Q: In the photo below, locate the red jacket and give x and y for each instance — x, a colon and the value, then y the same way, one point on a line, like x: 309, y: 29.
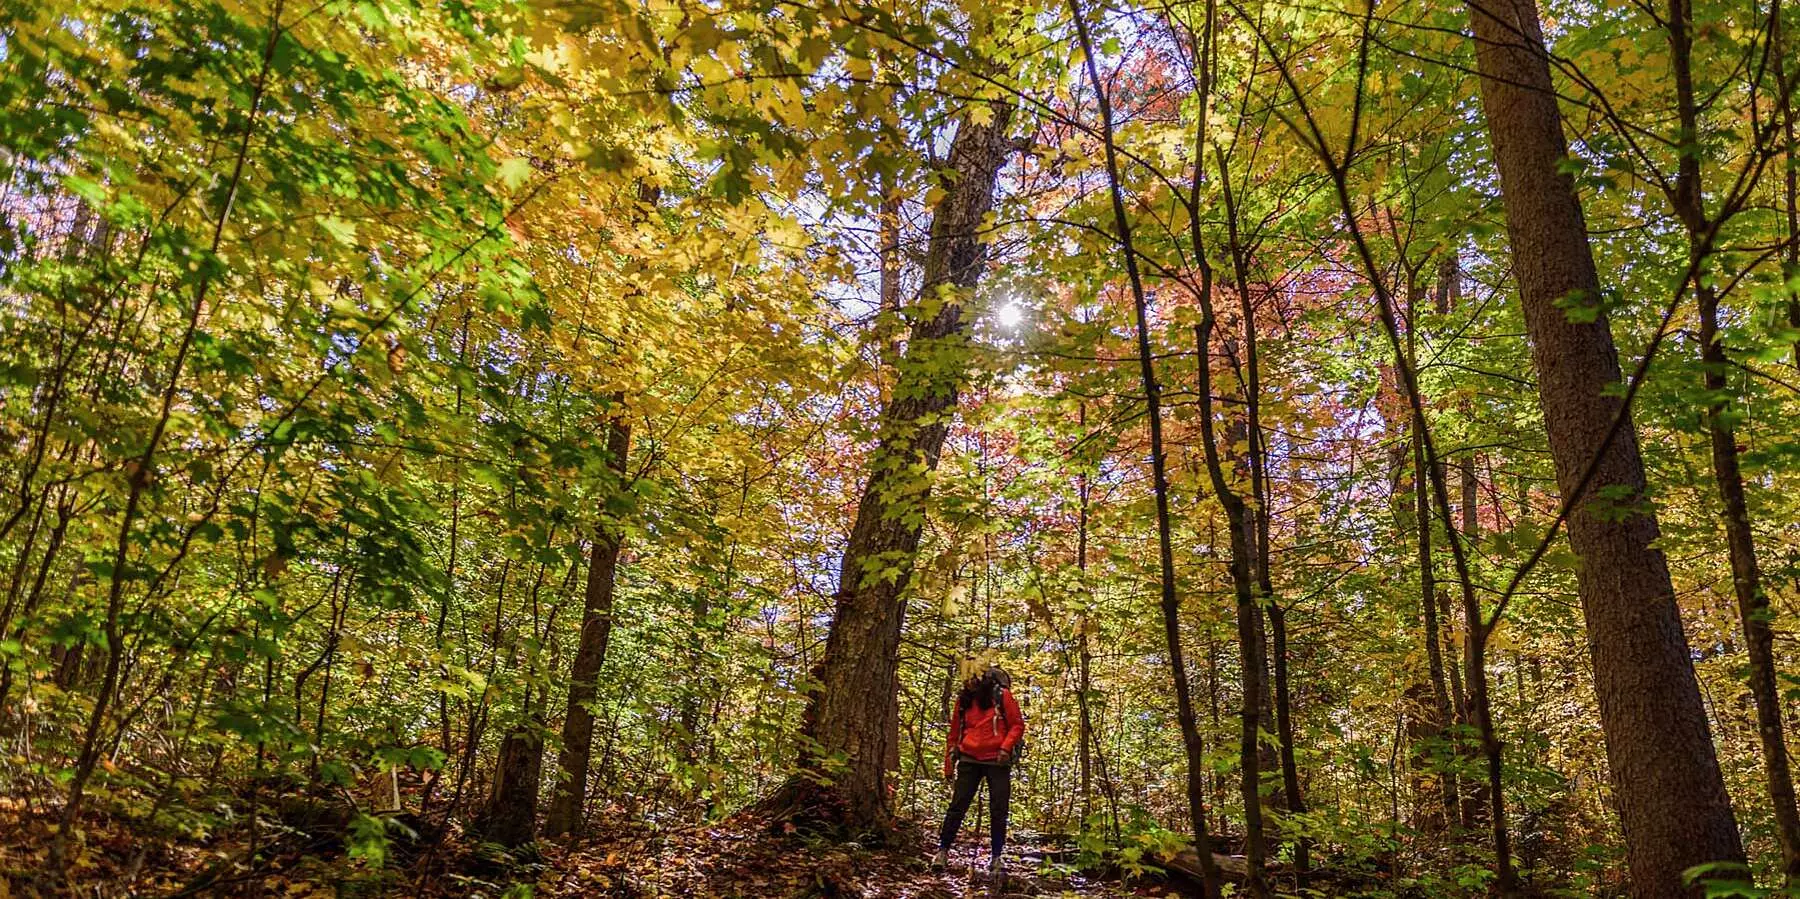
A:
x: 980, y: 735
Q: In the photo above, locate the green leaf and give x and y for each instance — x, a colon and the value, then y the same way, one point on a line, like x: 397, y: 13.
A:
x: 514, y: 172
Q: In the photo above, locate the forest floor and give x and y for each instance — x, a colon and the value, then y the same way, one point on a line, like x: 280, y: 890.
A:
x: 740, y: 857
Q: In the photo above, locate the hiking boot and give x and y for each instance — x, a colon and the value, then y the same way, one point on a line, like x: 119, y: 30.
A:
x: 941, y: 860
x: 997, y: 872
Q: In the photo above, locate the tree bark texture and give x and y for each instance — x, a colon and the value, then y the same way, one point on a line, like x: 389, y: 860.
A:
x: 841, y: 779
x: 510, y: 816
x: 1672, y: 802
x: 567, y: 806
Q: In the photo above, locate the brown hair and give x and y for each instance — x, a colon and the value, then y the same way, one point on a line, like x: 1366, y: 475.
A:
x: 979, y: 690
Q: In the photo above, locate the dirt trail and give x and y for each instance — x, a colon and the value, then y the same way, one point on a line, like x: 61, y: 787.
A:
x: 738, y: 859
x: 741, y: 858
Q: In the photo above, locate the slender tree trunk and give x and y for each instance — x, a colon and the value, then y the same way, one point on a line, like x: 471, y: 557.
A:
x: 859, y: 673
x: 1475, y: 647
x: 1428, y: 587
x: 1215, y: 689
x: 144, y: 464
x: 1171, y: 603
x: 1238, y: 519
x: 1481, y: 714
x: 1471, y: 792
x: 1754, y: 613
x: 454, y: 541
x: 1292, y: 800
x: 570, y: 800
x: 692, y: 735
x: 1672, y: 801
x: 1434, y: 657
x: 1084, y: 678
x: 475, y: 728
x: 1790, y: 191
x: 1284, y: 726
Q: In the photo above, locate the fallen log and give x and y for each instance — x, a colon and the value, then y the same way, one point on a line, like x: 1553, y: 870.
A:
x: 1059, y: 854
x: 1234, y: 868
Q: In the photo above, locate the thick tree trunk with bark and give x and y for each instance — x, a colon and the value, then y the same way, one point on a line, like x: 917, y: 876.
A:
x: 841, y: 781
x: 510, y: 816
x: 1672, y: 801
x: 567, y: 806
x: 886, y: 334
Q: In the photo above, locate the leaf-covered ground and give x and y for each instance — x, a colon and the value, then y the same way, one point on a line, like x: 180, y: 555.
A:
x: 741, y: 857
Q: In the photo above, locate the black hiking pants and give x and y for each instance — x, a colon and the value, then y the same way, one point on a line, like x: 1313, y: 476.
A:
x: 969, y: 776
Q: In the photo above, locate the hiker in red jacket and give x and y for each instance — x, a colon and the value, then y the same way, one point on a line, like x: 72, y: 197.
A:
x: 984, y: 735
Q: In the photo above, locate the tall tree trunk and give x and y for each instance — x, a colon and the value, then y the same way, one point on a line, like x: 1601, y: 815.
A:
x: 1194, y: 749
x: 1221, y: 787
x: 567, y: 806
x: 696, y: 687
x: 887, y: 339
x: 1292, y: 800
x: 1084, y: 674
x: 1746, y: 575
x: 1248, y: 564
x: 1284, y: 729
x: 454, y: 542
x: 1471, y: 791
x: 143, y: 469
x: 1672, y: 802
x: 1790, y: 191
x: 1428, y: 587
x: 857, y: 677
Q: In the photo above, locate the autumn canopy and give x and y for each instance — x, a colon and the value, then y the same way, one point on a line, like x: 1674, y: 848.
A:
x: 495, y: 447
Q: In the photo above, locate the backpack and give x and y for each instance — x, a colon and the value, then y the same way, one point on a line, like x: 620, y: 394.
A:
x: 1003, y: 683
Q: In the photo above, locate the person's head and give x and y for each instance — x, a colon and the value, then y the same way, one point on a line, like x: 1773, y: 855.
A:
x: 978, y: 690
